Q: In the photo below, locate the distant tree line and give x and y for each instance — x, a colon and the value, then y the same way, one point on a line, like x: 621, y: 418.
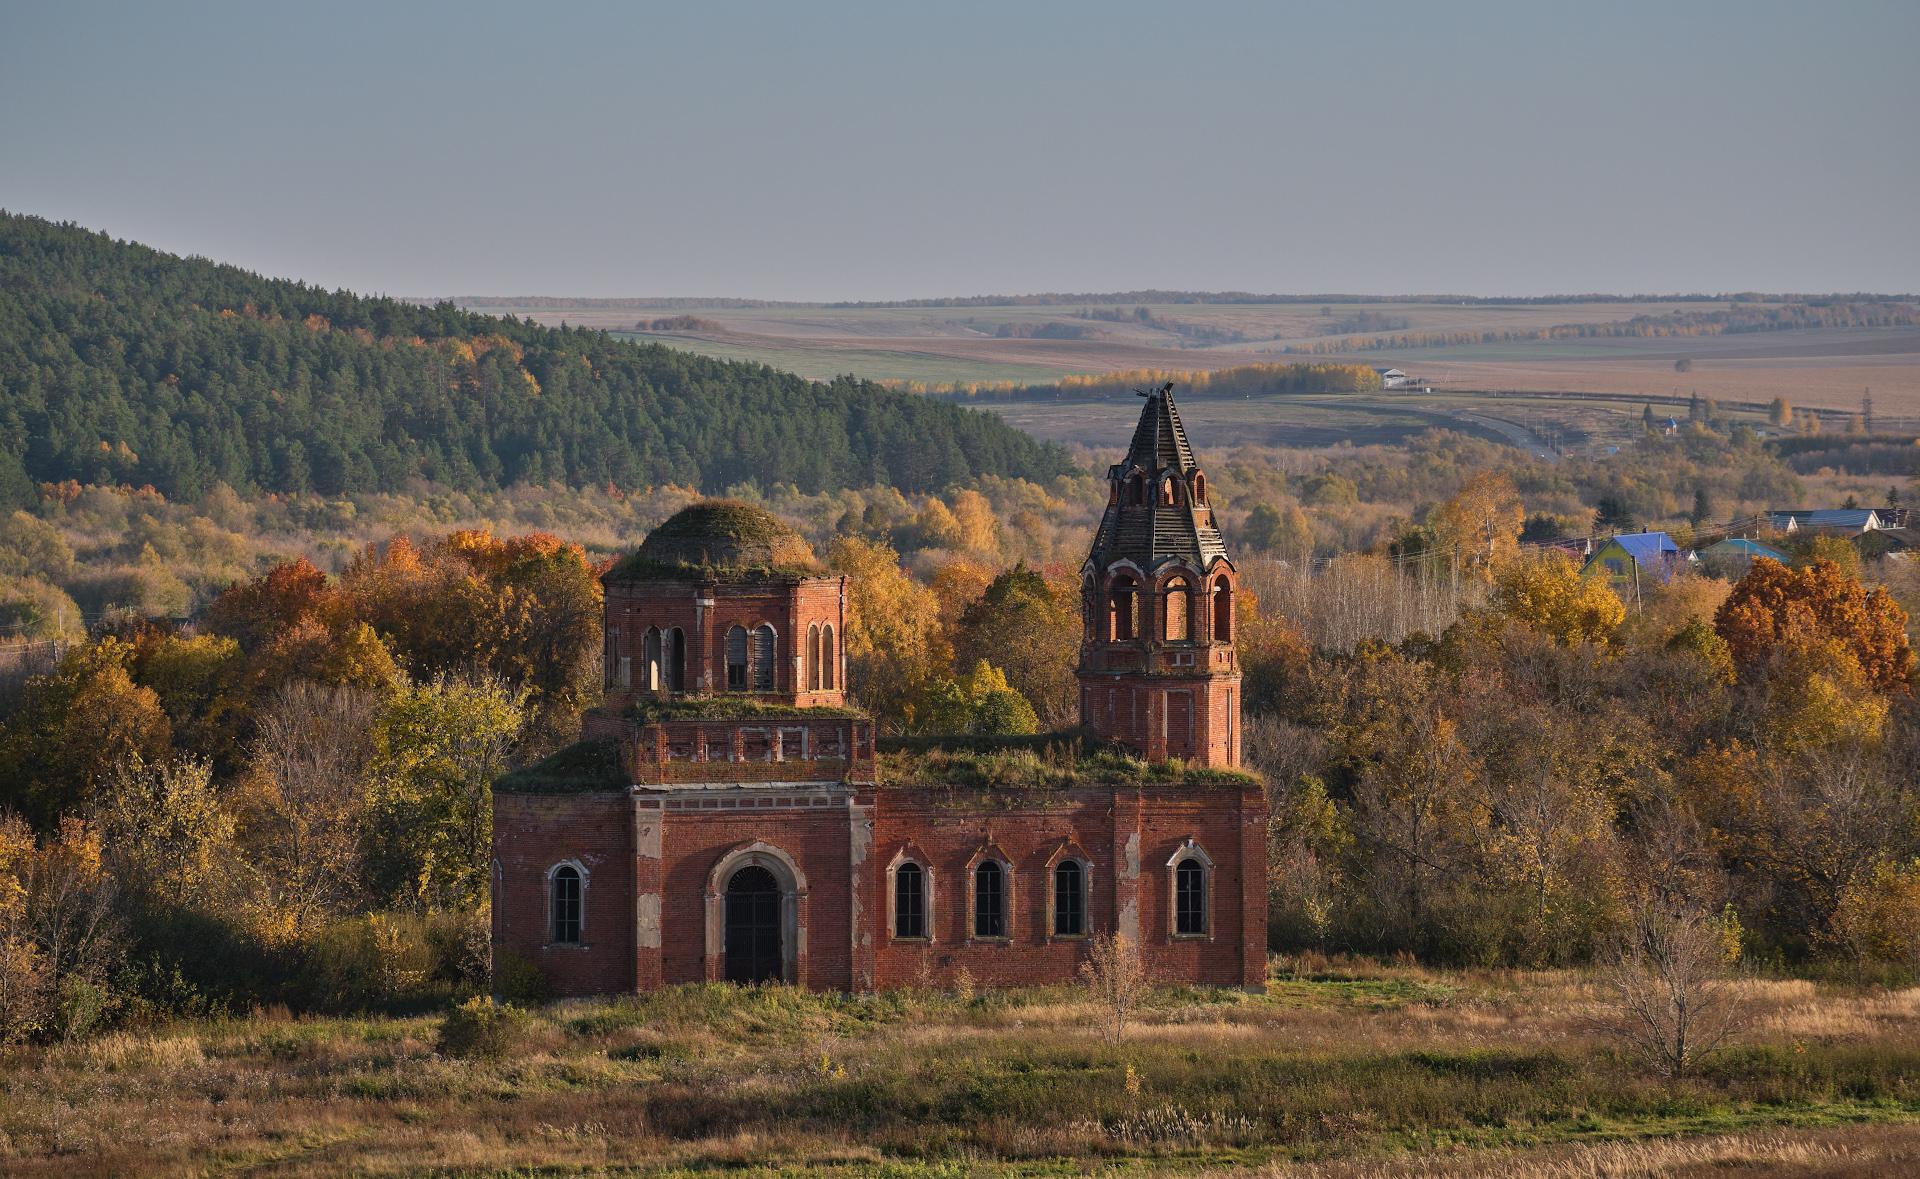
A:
x: 124, y: 365
x: 1244, y: 380
x: 1678, y: 324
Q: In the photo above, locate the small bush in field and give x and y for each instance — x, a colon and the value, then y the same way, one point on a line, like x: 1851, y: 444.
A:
x: 517, y: 980
x: 481, y: 1029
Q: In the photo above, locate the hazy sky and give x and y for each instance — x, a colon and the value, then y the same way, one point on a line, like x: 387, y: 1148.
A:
x: 814, y: 150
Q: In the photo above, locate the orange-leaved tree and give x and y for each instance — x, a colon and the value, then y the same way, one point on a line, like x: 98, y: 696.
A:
x: 1773, y: 606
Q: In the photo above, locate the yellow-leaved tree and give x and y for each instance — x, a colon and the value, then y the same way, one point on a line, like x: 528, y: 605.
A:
x: 1547, y: 593
x: 893, y: 629
x: 1482, y: 522
x: 437, y: 748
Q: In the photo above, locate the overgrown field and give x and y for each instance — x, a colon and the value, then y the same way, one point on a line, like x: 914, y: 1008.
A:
x: 1340, y: 1069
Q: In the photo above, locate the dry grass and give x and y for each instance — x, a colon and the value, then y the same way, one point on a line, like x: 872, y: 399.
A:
x: 1833, y: 1153
x: 1357, y: 1068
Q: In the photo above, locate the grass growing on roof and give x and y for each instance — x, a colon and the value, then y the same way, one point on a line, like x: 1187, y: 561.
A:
x: 1056, y: 766
x: 580, y: 768
x: 649, y: 711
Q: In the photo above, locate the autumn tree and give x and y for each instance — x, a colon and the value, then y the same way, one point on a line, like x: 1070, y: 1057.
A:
x: 526, y: 610
x: 1878, y: 918
x: 1481, y: 523
x: 73, y: 729
x: 893, y: 626
x: 1780, y: 413
x: 1547, y: 593
x: 60, y: 930
x: 437, y: 748
x: 166, y: 833
x: 1774, y: 605
x: 981, y: 702
x: 303, y: 802
x: 1031, y: 631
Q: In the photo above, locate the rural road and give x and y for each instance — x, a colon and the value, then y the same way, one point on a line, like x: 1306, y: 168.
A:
x: 1515, y: 433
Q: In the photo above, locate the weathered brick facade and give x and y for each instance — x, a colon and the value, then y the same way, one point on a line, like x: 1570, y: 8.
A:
x: 655, y: 864
x: 738, y: 827
x: 1157, y: 664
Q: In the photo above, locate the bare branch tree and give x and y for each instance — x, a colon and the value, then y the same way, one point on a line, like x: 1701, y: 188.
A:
x: 311, y: 753
x: 1675, y: 1002
x: 1115, y: 974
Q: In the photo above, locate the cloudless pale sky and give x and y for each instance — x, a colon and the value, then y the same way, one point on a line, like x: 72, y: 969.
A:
x: 891, y: 150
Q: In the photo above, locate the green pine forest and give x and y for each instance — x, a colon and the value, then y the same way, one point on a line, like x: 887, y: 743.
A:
x: 122, y: 364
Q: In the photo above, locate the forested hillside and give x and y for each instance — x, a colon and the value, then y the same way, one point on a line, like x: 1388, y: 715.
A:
x: 122, y: 364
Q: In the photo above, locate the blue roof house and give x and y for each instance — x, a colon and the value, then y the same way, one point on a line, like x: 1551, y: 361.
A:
x: 1732, y: 557
x: 1634, y: 559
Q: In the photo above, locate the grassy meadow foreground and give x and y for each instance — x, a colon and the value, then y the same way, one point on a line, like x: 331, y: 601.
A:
x: 1342, y: 1068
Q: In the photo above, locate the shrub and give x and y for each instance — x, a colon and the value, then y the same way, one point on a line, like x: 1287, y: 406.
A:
x: 480, y: 1029
x: 518, y: 980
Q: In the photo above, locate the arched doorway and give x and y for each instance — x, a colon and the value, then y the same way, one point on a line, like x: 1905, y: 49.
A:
x: 753, y: 921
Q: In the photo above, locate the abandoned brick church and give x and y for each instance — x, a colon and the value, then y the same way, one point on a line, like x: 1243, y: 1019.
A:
x: 726, y: 815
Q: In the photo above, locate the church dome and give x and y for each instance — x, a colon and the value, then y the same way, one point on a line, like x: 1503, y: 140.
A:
x: 721, y: 539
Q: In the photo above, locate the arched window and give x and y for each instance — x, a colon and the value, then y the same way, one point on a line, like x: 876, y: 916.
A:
x: 650, y: 663
x: 1199, y: 488
x: 737, y: 659
x: 829, y: 659
x: 676, y: 660
x: 1222, y: 611
x: 813, y: 656
x: 1136, y: 491
x: 763, y: 658
x: 1069, y: 899
x: 909, y: 900
x: 1122, y: 609
x: 989, y: 900
x: 1179, y: 610
x: 1166, y: 490
x: 1190, y: 897
x: 564, y: 888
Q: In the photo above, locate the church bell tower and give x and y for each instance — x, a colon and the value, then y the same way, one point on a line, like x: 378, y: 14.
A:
x: 1157, y: 666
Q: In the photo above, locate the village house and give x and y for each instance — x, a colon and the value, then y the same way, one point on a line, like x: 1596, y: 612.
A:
x: 1732, y: 557
x: 728, y: 816
x: 1632, y: 560
x: 1835, y: 521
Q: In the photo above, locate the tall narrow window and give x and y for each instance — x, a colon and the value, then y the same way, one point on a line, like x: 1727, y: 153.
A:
x: 813, y: 657
x: 1179, y: 610
x: 909, y: 901
x: 737, y: 659
x: 829, y: 660
x: 650, y: 661
x: 1069, y: 899
x: 1190, y: 897
x: 566, y: 905
x: 1166, y: 490
x: 677, y: 660
x: 989, y: 900
x: 1122, y: 609
x: 763, y: 658
x: 1222, y: 611
x: 1199, y: 488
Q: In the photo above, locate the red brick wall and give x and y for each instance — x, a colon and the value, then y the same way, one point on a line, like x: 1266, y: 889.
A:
x: 817, y: 840
x: 843, y: 844
x: 790, y: 607
x: 532, y: 833
x: 947, y: 827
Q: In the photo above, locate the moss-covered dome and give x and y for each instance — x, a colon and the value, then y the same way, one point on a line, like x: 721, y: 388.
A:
x: 722, y: 539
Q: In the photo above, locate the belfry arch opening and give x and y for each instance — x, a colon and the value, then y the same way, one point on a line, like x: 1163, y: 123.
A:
x: 1123, y: 608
